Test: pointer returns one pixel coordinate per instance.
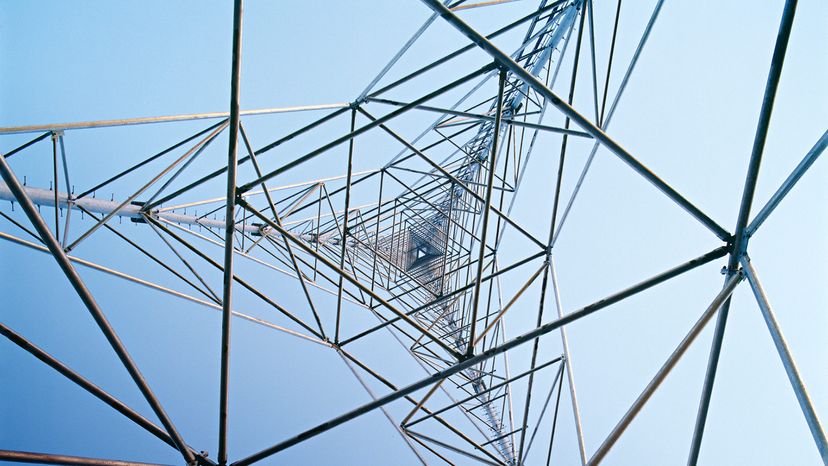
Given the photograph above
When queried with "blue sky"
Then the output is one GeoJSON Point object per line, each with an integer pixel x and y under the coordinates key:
{"type": "Point", "coordinates": [689, 114]}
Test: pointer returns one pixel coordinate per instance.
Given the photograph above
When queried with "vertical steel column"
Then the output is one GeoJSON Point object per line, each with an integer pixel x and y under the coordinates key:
{"type": "Point", "coordinates": [55, 137]}
{"type": "Point", "coordinates": [344, 235]}
{"type": "Point", "coordinates": [229, 231]}
{"type": "Point", "coordinates": [787, 361]}
{"type": "Point", "coordinates": [740, 239]}
{"type": "Point", "coordinates": [487, 206]}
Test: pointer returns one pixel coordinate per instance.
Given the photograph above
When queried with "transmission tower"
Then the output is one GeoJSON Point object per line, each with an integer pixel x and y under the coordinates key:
{"type": "Point", "coordinates": [409, 254]}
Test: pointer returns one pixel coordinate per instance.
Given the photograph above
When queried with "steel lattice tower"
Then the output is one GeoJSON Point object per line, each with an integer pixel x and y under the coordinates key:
{"type": "Point", "coordinates": [410, 254]}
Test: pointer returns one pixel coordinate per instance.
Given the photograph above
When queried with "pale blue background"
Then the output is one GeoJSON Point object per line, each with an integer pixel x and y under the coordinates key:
{"type": "Point", "coordinates": [689, 113]}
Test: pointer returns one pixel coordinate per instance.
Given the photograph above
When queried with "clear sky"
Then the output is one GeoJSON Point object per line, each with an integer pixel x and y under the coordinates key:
{"type": "Point", "coordinates": [689, 113]}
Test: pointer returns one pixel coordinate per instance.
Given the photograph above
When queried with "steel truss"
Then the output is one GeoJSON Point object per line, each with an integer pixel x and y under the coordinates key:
{"type": "Point", "coordinates": [421, 257]}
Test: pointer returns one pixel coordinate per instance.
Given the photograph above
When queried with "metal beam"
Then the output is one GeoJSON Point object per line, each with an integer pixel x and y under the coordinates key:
{"type": "Point", "coordinates": [310, 155]}
{"type": "Point", "coordinates": [164, 119]}
{"type": "Point", "coordinates": [665, 369]}
{"type": "Point", "coordinates": [229, 231]}
{"type": "Point", "coordinates": [789, 183]}
{"type": "Point", "coordinates": [570, 372]}
{"type": "Point", "coordinates": [484, 223]}
{"type": "Point", "coordinates": [48, 458]}
{"type": "Point", "coordinates": [504, 60]}
{"type": "Point", "coordinates": [85, 384]}
{"type": "Point", "coordinates": [814, 424]}
{"type": "Point", "coordinates": [485, 355]}
{"type": "Point", "coordinates": [480, 117]}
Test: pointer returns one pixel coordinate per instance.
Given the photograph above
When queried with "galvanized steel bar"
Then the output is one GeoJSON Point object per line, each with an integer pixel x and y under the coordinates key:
{"type": "Point", "coordinates": [48, 458]}
{"type": "Point", "coordinates": [229, 231]}
{"type": "Point", "coordinates": [164, 119]}
{"type": "Point", "coordinates": [570, 372]}
{"type": "Point", "coordinates": [805, 403]}
{"type": "Point", "coordinates": [85, 384]}
{"type": "Point", "coordinates": [484, 223]}
{"type": "Point", "coordinates": [665, 369]}
{"type": "Point", "coordinates": [789, 183]}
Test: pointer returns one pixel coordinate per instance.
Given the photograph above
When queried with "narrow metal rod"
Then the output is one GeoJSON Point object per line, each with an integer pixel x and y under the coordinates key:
{"type": "Point", "coordinates": [33, 141]}
{"type": "Point", "coordinates": [588, 126]}
{"type": "Point", "coordinates": [469, 6]}
{"type": "Point", "coordinates": [396, 57]}
{"type": "Point", "coordinates": [605, 123]}
{"type": "Point", "coordinates": [310, 155]}
{"type": "Point", "coordinates": [48, 458]}
{"type": "Point", "coordinates": [533, 361]}
{"type": "Point", "coordinates": [264, 149]}
{"type": "Point", "coordinates": [508, 305]}
{"type": "Point", "coordinates": [788, 361]}
{"type": "Point", "coordinates": [592, 54]}
{"type": "Point", "coordinates": [163, 289]}
{"type": "Point", "coordinates": [294, 262]}
{"type": "Point", "coordinates": [229, 231]}
{"type": "Point", "coordinates": [154, 223]}
{"type": "Point", "coordinates": [555, 381]}
{"type": "Point", "coordinates": [665, 369]}
{"type": "Point", "coordinates": [90, 303]}
{"type": "Point", "coordinates": [377, 234]}
{"type": "Point", "coordinates": [147, 161]}
{"type": "Point", "coordinates": [65, 164]}
{"type": "Point", "coordinates": [432, 450]}
{"type": "Point", "coordinates": [55, 175]}
{"type": "Point", "coordinates": [789, 183]}
{"type": "Point", "coordinates": [554, 420]}
{"type": "Point", "coordinates": [740, 239]}
{"type": "Point", "coordinates": [208, 291]}
{"type": "Point", "coordinates": [344, 234]}
{"type": "Point", "coordinates": [609, 64]}
{"type": "Point", "coordinates": [485, 355]}
{"type": "Point", "coordinates": [85, 384]}
{"type": "Point", "coordinates": [570, 372]}
{"type": "Point", "coordinates": [164, 119]}
{"type": "Point", "coordinates": [476, 116]}
{"type": "Point", "coordinates": [411, 400]}
{"type": "Point", "coordinates": [394, 424]}
{"type": "Point", "coordinates": [561, 160]}
{"type": "Point", "coordinates": [460, 51]}
{"type": "Point", "coordinates": [484, 223]}
{"type": "Point", "coordinates": [420, 403]}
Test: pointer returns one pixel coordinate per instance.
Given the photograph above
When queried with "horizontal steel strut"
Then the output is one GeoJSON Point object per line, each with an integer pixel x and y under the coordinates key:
{"type": "Point", "coordinates": [46, 197]}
